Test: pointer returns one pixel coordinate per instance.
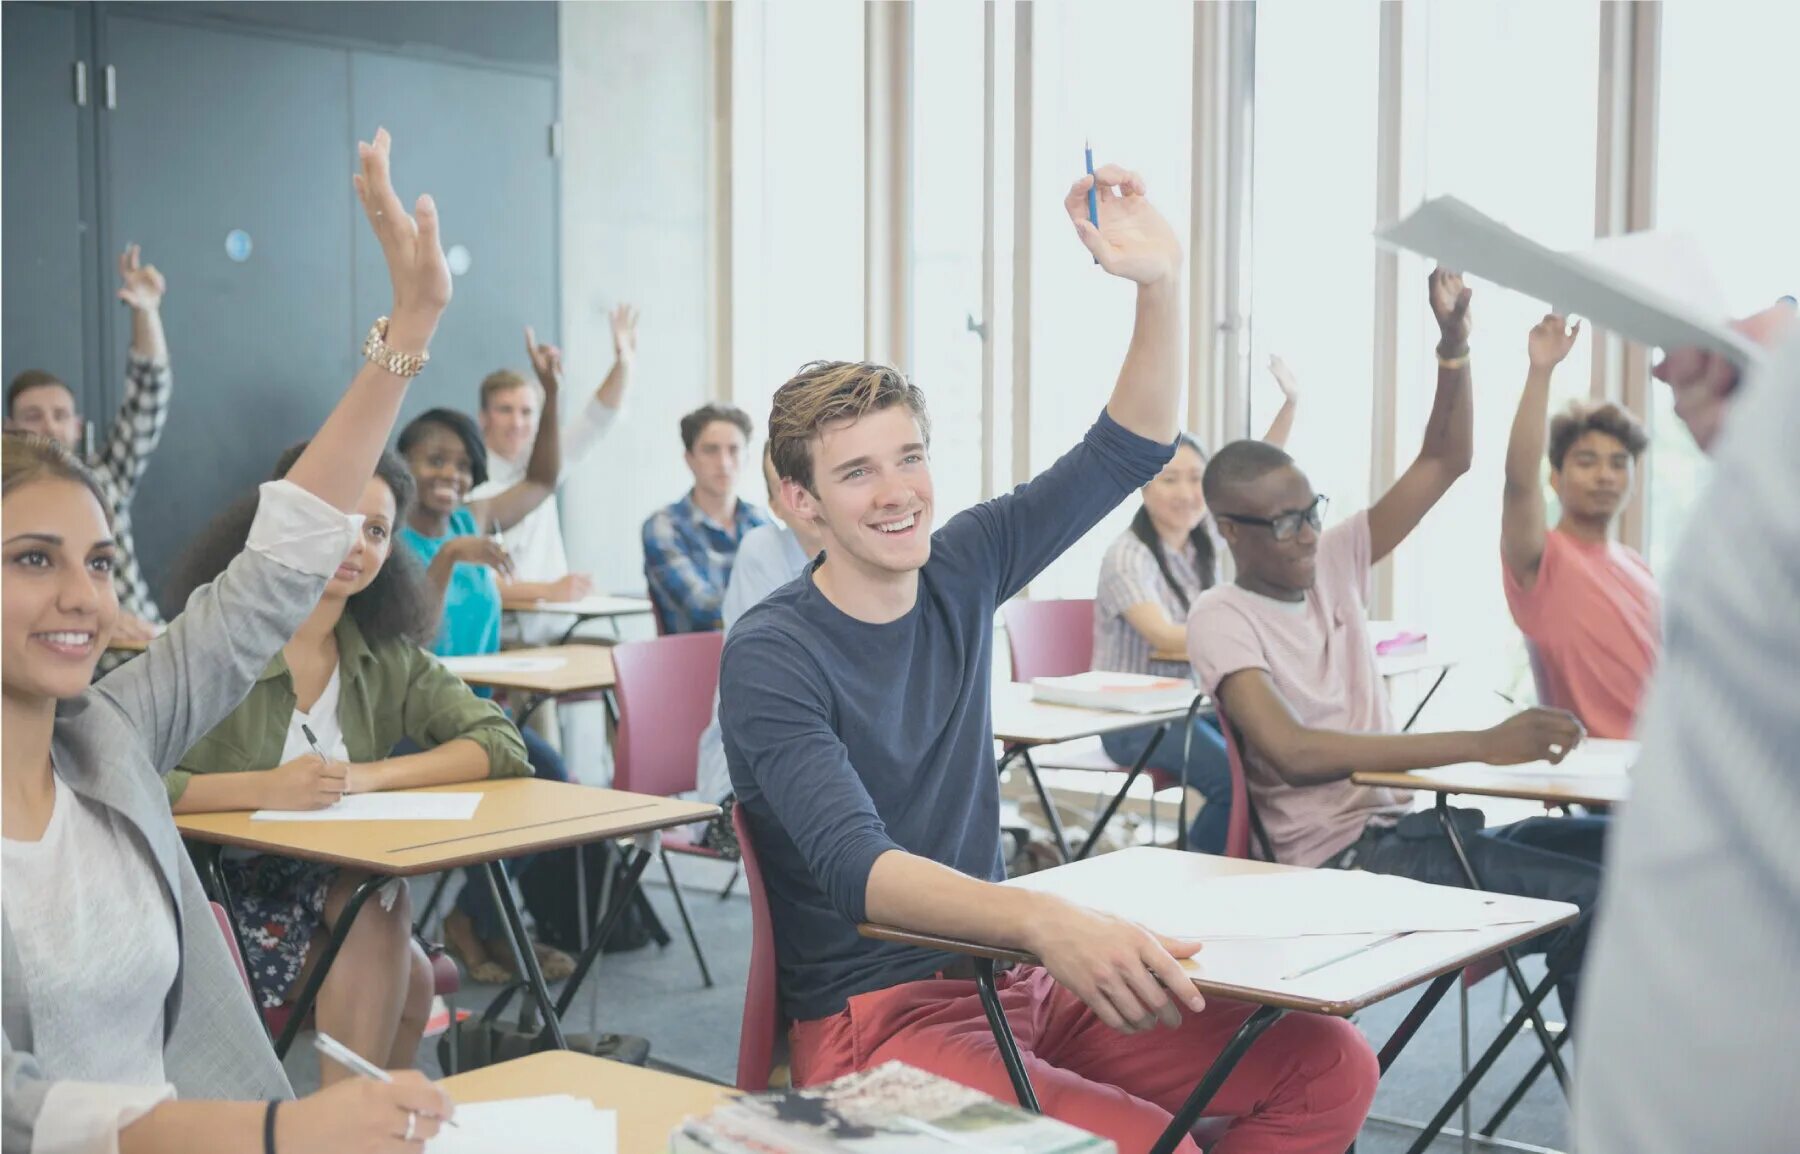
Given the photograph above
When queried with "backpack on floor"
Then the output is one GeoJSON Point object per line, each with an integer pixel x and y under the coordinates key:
{"type": "Point", "coordinates": [550, 895]}
{"type": "Point", "coordinates": [483, 1040]}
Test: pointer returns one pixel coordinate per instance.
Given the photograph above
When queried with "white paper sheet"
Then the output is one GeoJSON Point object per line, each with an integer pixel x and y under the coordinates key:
{"type": "Point", "coordinates": [500, 663]}
{"type": "Point", "coordinates": [404, 805]}
{"type": "Point", "coordinates": [1595, 757]}
{"type": "Point", "coordinates": [1640, 290]}
{"type": "Point", "coordinates": [553, 1124]}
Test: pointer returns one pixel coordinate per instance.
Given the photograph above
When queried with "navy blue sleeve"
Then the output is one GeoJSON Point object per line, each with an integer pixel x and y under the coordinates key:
{"type": "Point", "coordinates": [1017, 535]}
{"type": "Point", "coordinates": [775, 713]}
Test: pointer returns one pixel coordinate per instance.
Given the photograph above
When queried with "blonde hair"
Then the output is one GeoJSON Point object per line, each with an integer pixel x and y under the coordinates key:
{"type": "Point", "coordinates": [826, 392]}
{"type": "Point", "coordinates": [28, 458]}
{"type": "Point", "coordinates": [505, 381]}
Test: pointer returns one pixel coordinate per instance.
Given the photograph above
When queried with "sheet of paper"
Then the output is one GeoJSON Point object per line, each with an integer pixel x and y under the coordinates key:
{"type": "Point", "coordinates": [1595, 757]}
{"type": "Point", "coordinates": [404, 805]}
{"type": "Point", "coordinates": [1634, 290]}
{"type": "Point", "coordinates": [553, 1124]}
{"type": "Point", "coordinates": [1282, 905]}
{"type": "Point", "coordinates": [500, 663]}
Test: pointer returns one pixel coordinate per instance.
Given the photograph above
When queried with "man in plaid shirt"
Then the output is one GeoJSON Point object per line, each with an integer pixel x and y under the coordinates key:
{"type": "Point", "coordinates": [39, 402]}
{"type": "Point", "coordinates": [689, 546]}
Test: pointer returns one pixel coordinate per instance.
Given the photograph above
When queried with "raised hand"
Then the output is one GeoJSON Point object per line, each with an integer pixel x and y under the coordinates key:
{"type": "Point", "coordinates": [546, 360]}
{"type": "Point", "coordinates": [1550, 341]}
{"type": "Point", "coordinates": [409, 243]}
{"type": "Point", "coordinates": [1702, 380]}
{"type": "Point", "coordinates": [128, 627]}
{"type": "Point", "coordinates": [1450, 305]}
{"type": "Point", "coordinates": [140, 285]}
{"type": "Point", "coordinates": [1284, 378]}
{"type": "Point", "coordinates": [1534, 735]}
{"type": "Point", "coordinates": [1133, 240]}
{"type": "Point", "coordinates": [624, 320]}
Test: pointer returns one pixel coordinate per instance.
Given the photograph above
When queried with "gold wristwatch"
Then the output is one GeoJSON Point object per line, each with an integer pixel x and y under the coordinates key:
{"type": "Point", "coordinates": [376, 352]}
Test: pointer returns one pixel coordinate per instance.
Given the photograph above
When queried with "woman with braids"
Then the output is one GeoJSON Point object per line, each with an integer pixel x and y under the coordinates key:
{"type": "Point", "coordinates": [354, 674]}
{"type": "Point", "coordinates": [1148, 580]}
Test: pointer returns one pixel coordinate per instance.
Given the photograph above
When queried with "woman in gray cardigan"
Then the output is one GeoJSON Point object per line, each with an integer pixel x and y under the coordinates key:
{"type": "Point", "coordinates": [119, 993]}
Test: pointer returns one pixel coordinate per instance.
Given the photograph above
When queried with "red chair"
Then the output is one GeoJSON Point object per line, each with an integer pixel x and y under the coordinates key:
{"type": "Point", "coordinates": [665, 691]}
{"type": "Point", "coordinates": [1243, 814]}
{"type": "Point", "coordinates": [763, 1023]}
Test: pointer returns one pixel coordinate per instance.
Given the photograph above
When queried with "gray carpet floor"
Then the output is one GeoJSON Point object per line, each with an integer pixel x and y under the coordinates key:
{"type": "Point", "coordinates": [657, 993]}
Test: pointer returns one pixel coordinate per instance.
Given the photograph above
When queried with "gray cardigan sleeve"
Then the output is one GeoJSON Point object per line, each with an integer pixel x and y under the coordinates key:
{"type": "Point", "coordinates": [196, 673]}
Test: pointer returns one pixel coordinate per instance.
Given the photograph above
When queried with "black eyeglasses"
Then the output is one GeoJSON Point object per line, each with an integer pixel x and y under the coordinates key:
{"type": "Point", "coordinates": [1287, 525]}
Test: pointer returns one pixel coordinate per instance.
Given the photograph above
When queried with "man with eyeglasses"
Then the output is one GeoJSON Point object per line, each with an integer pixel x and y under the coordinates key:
{"type": "Point", "coordinates": [1287, 653]}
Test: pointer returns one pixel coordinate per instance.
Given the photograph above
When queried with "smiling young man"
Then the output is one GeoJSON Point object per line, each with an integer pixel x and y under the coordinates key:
{"type": "Point", "coordinates": [689, 546]}
{"type": "Point", "coordinates": [855, 706]}
{"type": "Point", "coordinates": [1588, 605]}
{"type": "Point", "coordinates": [1287, 652]}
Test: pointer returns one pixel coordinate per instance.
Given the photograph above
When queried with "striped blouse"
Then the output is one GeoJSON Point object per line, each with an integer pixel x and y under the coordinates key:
{"type": "Point", "coordinates": [1129, 576]}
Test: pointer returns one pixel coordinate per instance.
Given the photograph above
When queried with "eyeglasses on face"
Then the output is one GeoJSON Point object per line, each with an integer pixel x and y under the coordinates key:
{"type": "Point", "coordinates": [1285, 526]}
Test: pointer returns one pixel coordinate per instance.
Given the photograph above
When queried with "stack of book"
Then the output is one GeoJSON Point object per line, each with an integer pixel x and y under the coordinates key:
{"type": "Point", "coordinates": [1129, 692]}
{"type": "Point", "coordinates": [891, 1109]}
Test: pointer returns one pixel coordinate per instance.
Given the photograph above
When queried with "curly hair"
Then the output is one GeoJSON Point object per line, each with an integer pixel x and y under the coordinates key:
{"type": "Point", "coordinates": [824, 392]}
{"type": "Point", "coordinates": [1580, 418]}
{"type": "Point", "coordinates": [396, 604]}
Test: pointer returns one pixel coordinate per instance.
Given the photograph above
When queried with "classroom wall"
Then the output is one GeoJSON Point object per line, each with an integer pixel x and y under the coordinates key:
{"type": "Point", "coordinates": [634, 100]}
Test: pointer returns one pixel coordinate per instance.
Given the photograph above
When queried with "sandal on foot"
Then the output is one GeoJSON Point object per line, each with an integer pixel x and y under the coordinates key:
{"type": "Point", "coordinates": [556, 964]}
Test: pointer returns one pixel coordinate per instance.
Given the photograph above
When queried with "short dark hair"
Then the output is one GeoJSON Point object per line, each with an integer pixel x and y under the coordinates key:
{"type": "Point", "coordinates": [32, 379]}
{"type": "Point", "coordinates": [1238, 464]}
{"type": "Point", "coordinates": [1582, 418]}
{"type": "Point", "coordinates": [461, 425]}
{"type": "Point", "coordinates": [397, 603]}
{"type": "Point", "coordinates": [695, 422]}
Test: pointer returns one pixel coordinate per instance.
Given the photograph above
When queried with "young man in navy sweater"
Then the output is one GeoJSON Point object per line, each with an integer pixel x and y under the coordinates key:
{"type": "Point", "coordinates": [855, 708]}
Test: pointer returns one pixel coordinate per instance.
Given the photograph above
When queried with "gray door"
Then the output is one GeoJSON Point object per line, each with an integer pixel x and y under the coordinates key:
{"type": "Point", "coordinates": [478, 141]}
{"type": "Point", "coordinates": [44, 223]}
{"type": "Point", "coordinates": [215, 132]}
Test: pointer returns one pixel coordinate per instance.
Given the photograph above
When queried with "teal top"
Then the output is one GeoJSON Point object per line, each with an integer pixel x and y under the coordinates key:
{"type": "Point", "coordinates": [471, 623]}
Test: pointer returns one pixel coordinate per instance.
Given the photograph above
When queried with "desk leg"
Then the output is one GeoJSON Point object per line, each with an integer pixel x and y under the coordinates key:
{"type": "Point", "coordinates": [522, 951]}
{"type": "Point", "coordinates": [1519, 1091]}
{"type": "Point", "coordinates": [1184, 1119]}
{"type": "Point", "coordinates": [1003, 1036]}
{"type": "Point", "coordinates": [309, 993]}
{"type": "Point", "coordinates": [1506, 956]}
{"type": "Point", "coordinates": [1426, 700]}
{"type": "Point", "coordinates": [1022, 753]}
{"type": "Point", "coordinates": [1415, 1017]}
{"type": "Point", "coordinates": [622, 895]}
{"type": "Point", "coordinates": [1113, 805]}
{"type": "Point", "coordinates": [1528, 1009]}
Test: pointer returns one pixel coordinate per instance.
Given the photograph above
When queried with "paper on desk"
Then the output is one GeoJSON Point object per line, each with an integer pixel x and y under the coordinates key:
{"type": "Point", "coordinates": [1595, 757]}
{"type": "Point", "coordinates": [553, 1124]}
{"type": "Point", "coordinates": [404, 805]}
{"type": "Point", "coordinates": [501, 663]}
{"type": "Point", "coordinates": [1649, 287]}
{"type": "Point", "coordinates": [1284, 905]}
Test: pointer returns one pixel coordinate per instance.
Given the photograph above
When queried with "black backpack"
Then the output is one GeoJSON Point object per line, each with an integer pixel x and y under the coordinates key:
{"type": "Point", "coordinates": [551, 897]}
{"type": "Point", "coordinates": [483, 1040]}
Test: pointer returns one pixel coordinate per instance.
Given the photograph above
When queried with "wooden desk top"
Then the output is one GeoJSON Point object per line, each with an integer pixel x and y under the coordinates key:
{"type": "Point", "coordinates": [516, 816]}
{"type": "Point", "coordinates": [1547, 784]}
{"type": "Point", "coordinates": [1018, 720]}
{"type": "Point", "coordinates": [596, 605]}
{"type": "Point", "coordinates": [1267, 971]}
{"type": "Point", "coordinates": [650, 1104]}
{"type": "Point", "coordinates": [578, 669]}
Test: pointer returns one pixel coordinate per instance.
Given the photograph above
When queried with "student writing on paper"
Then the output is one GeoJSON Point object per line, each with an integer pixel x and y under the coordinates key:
{"type": "Point", "coordinates": [1286, 651]}
{"type": "Point", "coordinates": [1587, 604]}
{"type": "Point", "coordinates": [689, 546]}
{"type": "Point", "coordinates": [1148, 579]}
{"type": "Point", "coordinates": [855, 703]}
{"type": "Point", "coordinates": [119, 990]}
{"type": "Point", "coordinates": [355, 674]}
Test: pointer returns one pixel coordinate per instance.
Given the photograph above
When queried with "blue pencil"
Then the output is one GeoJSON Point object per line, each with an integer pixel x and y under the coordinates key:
{"type": "Point", "coordinates": [1093, 191]}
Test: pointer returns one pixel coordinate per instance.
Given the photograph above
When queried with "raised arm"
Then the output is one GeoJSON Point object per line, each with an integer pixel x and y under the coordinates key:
{"type": "Point", "coordinates": [1303, 756]}
{"type": "Point", "coordinates": [544, 470]}
{"type": "Point", "coordinates": [1283, 424]}
{"type": "Point", "coordinates": [1522, 500]}
{"type": "Point", "coordinates": [1702, 381]}
{"type": "Point", "coordinates": [137, 426]}
{"type": "Point", "coordinates": [1449, 445]}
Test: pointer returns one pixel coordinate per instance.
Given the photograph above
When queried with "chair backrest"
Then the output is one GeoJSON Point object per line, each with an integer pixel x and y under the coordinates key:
{"type": "Point", "coordinates": [762, 1002]}
{"type": "Point", "coordinates": [665, 691]}
{"type": "Point", "coordinates": [1244, 821]}
{"type": "Point", "coordinates": [237, 959]}
{"type": "Point", "coordinates": [1049, 638]}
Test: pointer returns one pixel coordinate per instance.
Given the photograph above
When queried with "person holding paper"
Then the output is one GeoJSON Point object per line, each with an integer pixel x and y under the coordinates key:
{"type": "Point", "coordinates": [1287, 653]}
{"type": "Point", "coordinates": [322, 721]}
{"type": "Point", "coordinates": [126, 1023]}
{"type": "Point", "coordinates": [855, 704]}
{"type": "Point", "coordinates": [1687, 1036]}
{"type": "Point", "coordinates": [1587, 604]}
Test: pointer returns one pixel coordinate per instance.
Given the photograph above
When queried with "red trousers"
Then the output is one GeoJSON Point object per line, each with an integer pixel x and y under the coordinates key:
{"type": "Point", "coordinates": [1304, 1087]}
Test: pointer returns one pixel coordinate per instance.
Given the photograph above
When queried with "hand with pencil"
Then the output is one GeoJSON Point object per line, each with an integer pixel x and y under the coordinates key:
{"type": "Point", "coordinates": [1116, 221]}
{"type": "Point", "coordinates": [310, 781]}
{"type": "Point", "coordinates": [393, 1114]}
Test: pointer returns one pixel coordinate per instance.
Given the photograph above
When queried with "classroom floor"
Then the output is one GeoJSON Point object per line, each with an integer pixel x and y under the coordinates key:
{"type": "Point", "coordinates": [656, 993]}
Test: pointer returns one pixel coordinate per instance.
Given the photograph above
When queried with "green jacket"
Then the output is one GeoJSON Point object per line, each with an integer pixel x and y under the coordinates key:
{"type": "Point", "coordinates": [386, 691]}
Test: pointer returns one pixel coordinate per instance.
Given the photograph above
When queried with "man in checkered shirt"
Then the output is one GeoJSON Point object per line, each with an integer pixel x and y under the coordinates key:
{"type": "Point", "coordinates": [39, 402]}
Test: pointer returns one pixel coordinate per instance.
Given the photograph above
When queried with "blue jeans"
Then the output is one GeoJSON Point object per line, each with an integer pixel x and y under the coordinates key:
{"type": "Point", "coordinates": [476, 900]}
{"type": "Point", "coordinates": [1208, 771]}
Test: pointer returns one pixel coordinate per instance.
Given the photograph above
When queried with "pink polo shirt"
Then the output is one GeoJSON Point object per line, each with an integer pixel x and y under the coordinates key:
{"type": "Point", "coordinates": [1594, 619]}
{"type": "Point", "coordinates": [1321, 658]}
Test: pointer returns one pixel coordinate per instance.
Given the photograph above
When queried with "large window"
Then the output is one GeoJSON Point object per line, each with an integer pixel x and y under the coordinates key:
{"type": "Point", "coordinates": [1727, 169]}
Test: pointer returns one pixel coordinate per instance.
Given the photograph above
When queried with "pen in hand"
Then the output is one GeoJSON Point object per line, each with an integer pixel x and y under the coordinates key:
{"type": "Point", "coordinates": [350, 1060]}
{"type": "Point", "coordinates": [306, 731]}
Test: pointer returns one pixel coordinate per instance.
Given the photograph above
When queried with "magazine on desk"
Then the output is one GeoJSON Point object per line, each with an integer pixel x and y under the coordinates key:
{"type": "Point", "coordinates": [891, 1109]}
